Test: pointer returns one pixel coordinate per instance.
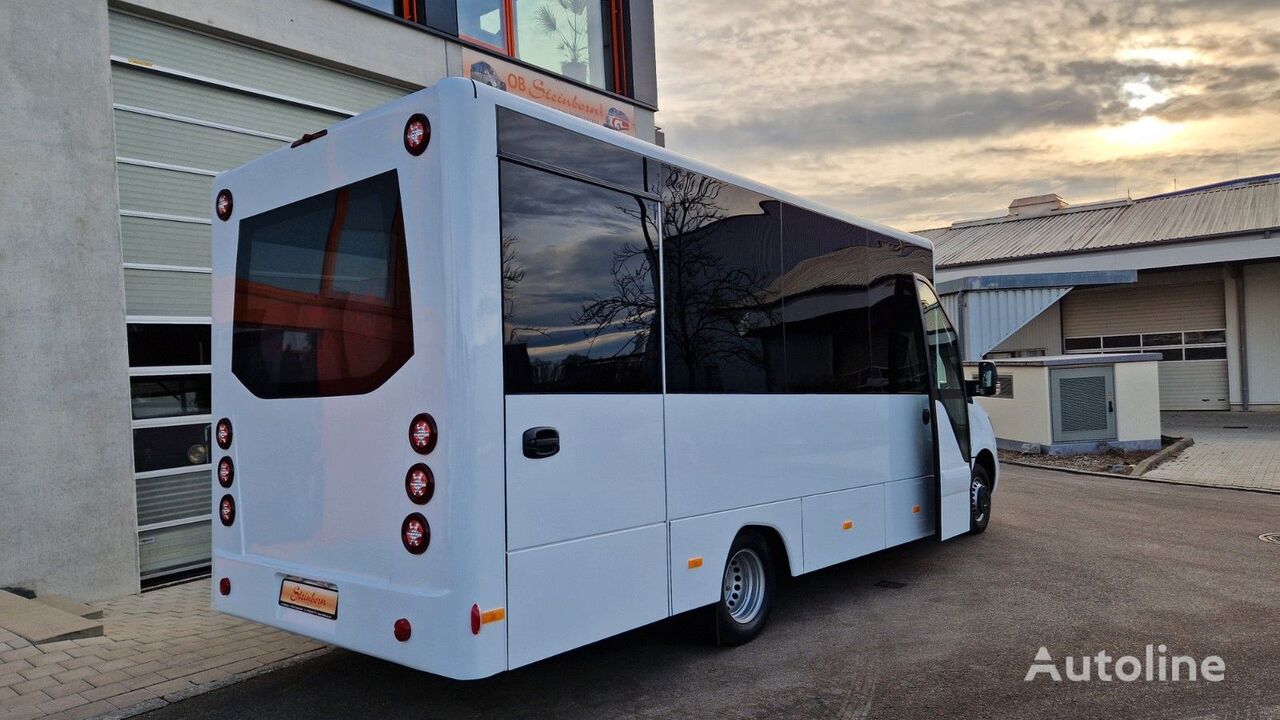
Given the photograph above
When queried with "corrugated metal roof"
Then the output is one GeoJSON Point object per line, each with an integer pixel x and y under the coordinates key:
{"type": "Point", "coordinates": [1162, 218]}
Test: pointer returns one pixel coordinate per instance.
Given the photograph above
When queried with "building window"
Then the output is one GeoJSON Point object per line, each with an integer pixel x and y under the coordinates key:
{"type": "Point", "coordinates": [1171, 346]}
{"type": "Point", "coordinates": [1004, 387]}
{"type": "Point", "coordinates": [571, 38]}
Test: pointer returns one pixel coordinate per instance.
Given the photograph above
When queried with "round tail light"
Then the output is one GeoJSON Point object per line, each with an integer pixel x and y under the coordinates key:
{"type": "Point", "coordinates": [417, 133]}
{"type": "Point", "coordinates": [415, 533]}
{"type": "Point", "coordinates": [223, 434]}
{"type": "Point", "coordinates": [223, 205]}
{"type": "Point", "coordinates": [422, 433]}
{"type": "Point", "coordinates": [227, 510]}
{"type": "Point", "coordinates": [402, 629]}
{"type": "Point", "coordinates": [226, 472]}
{"type": "Point", "coordinates": [224, 586]}
{"type": "Point", "coordinates": [420, 484]}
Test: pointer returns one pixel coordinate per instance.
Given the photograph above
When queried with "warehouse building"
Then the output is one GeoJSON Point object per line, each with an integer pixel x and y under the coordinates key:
{"type": "Point", "coordinates": [117, 116]}
{"type": "Point", "coordinates": [1193, 276]}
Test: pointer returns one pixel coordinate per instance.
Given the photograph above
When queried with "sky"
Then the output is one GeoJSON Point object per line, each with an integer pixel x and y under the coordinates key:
{"type": "Point", "coordinates": [917, 114]}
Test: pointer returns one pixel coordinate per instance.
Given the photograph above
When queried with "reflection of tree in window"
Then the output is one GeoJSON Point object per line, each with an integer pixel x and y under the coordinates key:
{"type": "Point", "coordinates": [721, 251]}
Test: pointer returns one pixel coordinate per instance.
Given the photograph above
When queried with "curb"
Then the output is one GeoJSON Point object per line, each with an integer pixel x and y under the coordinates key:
{"type": "Point", "coordinates": [1146, 466]}
{"type": "Point", "coordinates": [1140, 478]}
{"type": "Point", "coordinates": [160, 702]}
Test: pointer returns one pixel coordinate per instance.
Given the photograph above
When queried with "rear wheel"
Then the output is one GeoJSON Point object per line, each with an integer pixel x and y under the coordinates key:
{"type": "Point", "coordinates": [979, 500]}
{"type": "Point", "coordinates": [746, 592]}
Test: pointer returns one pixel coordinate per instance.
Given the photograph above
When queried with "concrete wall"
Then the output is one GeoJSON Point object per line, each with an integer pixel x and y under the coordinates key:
{"type": "Point", "coordinates": [1137, 387]}
{"type": "Point", "coordinates": [1025, 417]}
{"type": "Point", "coordinates": [67, 519]}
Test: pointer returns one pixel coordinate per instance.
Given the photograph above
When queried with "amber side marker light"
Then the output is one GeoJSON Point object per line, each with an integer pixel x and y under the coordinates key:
{"type": "Point", "coordinates": [417, 134]}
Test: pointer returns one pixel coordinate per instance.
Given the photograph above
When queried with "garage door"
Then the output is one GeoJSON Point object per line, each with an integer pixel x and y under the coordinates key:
{"type": "Point", "coordinates": [186, 107]}
{"type": "Point", "coordinates": [1180, 315]}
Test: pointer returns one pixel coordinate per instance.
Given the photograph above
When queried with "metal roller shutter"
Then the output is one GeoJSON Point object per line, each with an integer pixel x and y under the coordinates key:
{"type": "Point", "coordinates": [1160, 303]}
{"type": "Point", "coordinates": [188, 106]}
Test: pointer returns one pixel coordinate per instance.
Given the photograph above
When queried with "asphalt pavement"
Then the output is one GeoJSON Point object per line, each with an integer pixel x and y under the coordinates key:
{"type": "Point", "coordinates": [1075, 564]}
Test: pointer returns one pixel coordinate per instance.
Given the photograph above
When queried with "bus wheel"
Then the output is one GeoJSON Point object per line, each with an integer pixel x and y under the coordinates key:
{"type": "Point", "coordinates": [979, 500]}
{"type": "Point", "coordinates": [746, 591]}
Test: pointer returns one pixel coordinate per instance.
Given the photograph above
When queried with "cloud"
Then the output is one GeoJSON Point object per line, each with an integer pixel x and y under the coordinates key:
{"type": "Point", "coordinates": [931, 110]}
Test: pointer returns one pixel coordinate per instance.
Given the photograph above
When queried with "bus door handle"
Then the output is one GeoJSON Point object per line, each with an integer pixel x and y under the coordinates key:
{"type": "Point", "coordinates": [541, 442]}
{"type": "Point", "coordinates": [927, 416]}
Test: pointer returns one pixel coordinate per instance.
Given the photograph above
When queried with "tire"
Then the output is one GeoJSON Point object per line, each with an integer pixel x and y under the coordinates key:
{"type": "Point", "coordinates": [746, 590]}
{"type": "Point", "coordinates": [979, 500]}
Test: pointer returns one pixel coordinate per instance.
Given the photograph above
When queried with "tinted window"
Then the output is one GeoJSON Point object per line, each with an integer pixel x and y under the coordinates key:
{"type": "Point", "coordinates": [525, 137]}
{"type": "Point", "coordinates": [898, 355]}
{"type": "Point", "coordinates": [322, 294]}
{"type": "Point", "coordinates": [161, 448]}
{"type": "Point", "coordinates": [169, 395]}
{"type": "Point", "coordinates": [721, 269]}
{"type": "Point", "coordinates": [944, 348]}
{"type": "Point", "coordinates": [1076, 344]}
{"type": "Point", "coordinates": [889, 257]}
{"type": "Point", "coordinates": [1206, 336]}
{"type": "Point", "coordinates": [157, 345]}
{"type": "Point", "coordinates": [1156, 339]}
{"type": "Point", "coordinates": [579, 286]}
{"type": "Point", "coordinates": [824, 305]}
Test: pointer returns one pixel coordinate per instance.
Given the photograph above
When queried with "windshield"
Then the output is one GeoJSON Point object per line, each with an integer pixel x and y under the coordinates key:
{"type": "Point", "coordinates": [322, 294]}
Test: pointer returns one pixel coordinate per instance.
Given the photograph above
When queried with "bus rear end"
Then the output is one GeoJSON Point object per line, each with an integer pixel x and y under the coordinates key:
{"type": "Point", "coordinates": [358, 465]}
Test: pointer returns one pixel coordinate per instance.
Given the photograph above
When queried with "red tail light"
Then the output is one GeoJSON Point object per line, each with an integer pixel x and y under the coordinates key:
{"type": "Point", "coordinates": [475, 619]}
{"type": "Point", "coordinates": [224, 586]}
{"type": "Point", "coordinates": [417, 133]}
{"type": "Point", "coordinates": [422, 433]}
{"type": "Point", "coordinates": [402, 629]}
{"type": "Point", "coordinates": [227, 510]}
{"type": "Point", "coordinates": [415, 533]}
{"type": "Point", "coordinates": [223, 205]}
{"type": "Point", "coordinates": [226, 472]}
{"type": "Point", "coordinates": [420, 484]}
{"type": "Point", "coordinates": [223, 434]}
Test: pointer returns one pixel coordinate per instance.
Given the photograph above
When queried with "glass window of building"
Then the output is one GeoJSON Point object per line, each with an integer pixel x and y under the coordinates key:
{"type": "Point", "coordinates": [570, 38]}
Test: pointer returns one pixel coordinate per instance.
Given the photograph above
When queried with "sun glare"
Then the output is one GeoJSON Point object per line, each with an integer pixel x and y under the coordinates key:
{"type": "Point", "coordinates": [1141, 134]}
{"type": "Point", "coordinates": [1142, 96]}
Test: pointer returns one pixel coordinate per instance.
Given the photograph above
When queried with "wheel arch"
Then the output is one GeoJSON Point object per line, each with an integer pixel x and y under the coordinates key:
{"type": "Point", "coordinates": [987, 461]}
{"type": "Point", "coordinates": [777, 546]}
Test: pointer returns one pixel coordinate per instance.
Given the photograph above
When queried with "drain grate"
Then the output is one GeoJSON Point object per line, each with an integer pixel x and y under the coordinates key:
{"type": "Point", "coordinates": [1273, 538]}
{"type": "Point", "coordinates": [891, 585]}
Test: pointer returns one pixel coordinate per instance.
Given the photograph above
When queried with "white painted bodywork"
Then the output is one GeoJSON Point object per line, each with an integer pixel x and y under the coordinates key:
{"type": "Point", "coordinates": [577, 547]}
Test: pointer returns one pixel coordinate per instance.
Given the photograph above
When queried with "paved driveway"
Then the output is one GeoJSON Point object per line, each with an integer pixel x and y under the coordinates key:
{"type": "Point", "coordinates": [1074, 563]}
{"type": "Point", "coordinates": [1231, 449]}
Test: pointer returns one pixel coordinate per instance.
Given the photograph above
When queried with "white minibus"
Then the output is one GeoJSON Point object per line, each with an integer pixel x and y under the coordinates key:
{"type": "Point", "coordinates": [494, 382]}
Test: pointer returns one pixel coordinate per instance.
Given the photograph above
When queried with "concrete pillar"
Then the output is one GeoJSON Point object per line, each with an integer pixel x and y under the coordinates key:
{"type": "Point", "coordinates": [67, 517]}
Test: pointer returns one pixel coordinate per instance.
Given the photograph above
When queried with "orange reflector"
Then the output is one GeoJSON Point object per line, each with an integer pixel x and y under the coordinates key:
{"type": "Point", "coordinates": [915, 509]}
{"type": "Point", "coordinates": [847, 525]}
{"type": "Point", "coordinates": [493, 615]}
{"type": "Point", "coordinates": [695, 562]}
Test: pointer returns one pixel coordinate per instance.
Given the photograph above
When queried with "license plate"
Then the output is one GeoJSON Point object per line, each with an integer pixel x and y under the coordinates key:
{"type": "Point", "coordinates": [310, 597]}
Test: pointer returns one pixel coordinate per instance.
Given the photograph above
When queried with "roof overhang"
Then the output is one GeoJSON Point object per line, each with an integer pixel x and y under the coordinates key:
{"type": "Point", "coordinates": [1037, 280]}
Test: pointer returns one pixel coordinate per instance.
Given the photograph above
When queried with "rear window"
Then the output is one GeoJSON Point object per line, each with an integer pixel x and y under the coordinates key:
{"type": "Point", "coordinates": [322, 294]}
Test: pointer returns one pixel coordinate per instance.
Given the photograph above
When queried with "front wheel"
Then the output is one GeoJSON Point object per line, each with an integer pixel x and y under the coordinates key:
{"type": "Point", "coordinates": [746, 590]}
{"type": "Point", "coordinates": [979, 500]}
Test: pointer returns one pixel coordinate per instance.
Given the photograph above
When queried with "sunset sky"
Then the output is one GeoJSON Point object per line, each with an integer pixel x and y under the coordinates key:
{"type": "Point", "coordinates": [920, 113]}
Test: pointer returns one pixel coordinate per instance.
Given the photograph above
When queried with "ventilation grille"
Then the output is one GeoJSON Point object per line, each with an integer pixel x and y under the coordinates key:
{"type": "Point", "coordinates": [1083, 403]}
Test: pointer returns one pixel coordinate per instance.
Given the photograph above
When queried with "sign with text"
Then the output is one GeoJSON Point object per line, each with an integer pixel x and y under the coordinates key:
{"type": "Point", "coordinates": [549, 91]}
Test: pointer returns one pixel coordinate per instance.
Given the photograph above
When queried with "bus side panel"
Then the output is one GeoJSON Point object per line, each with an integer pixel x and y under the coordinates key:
{"type": "Point", "coordinates": [909, 508]}
{"type": "Point", "coordinates": [569, 594]}
{"type": "Point", "coordinates": [731, 451]}
{"type": "Point", "coordinates": [700, 548]}
{"type": "Point", "coordinates": [843, 525]}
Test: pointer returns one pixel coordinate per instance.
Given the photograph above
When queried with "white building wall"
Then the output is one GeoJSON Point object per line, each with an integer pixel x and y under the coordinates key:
{"type": "Point", "coordinates": [1262, 317]}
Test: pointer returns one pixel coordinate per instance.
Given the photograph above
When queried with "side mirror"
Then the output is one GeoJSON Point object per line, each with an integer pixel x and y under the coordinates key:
{"type": "Point", "coordinates": [986, 379]}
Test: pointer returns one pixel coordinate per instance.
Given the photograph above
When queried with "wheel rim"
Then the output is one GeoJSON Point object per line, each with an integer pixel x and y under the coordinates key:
{"type": "Point", "coordinates": [979, 501]}
{"type": "Point", "coordinates": [743, 593]}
